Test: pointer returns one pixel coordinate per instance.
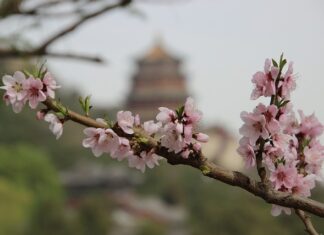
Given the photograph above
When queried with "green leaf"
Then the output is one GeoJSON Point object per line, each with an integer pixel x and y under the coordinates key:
{"type": "Point", "coordinates": [283, 103]}
{"type": "Point", "coordinates": [282, 64]}
{"type": "Point", "coordinates": [274, 63]}
{"type": "Point", "coordinates": [28, 74]}
{"type": "Point", "coordinates": [180, 111]}
{"type": "Point", "coordinates": [85, 104]}
{"type": "Point", "coordinates": [81, 102]}
{"type": "Point", "coordinates": [42, 73]}
{"type": "Point", "coordinates": [281, 57]}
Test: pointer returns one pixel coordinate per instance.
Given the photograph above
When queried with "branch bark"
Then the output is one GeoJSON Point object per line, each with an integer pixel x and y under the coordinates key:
{"type": "Point", "coordinates": [211, 170]}
{"type": "Point", "coordinates": [309, 228]}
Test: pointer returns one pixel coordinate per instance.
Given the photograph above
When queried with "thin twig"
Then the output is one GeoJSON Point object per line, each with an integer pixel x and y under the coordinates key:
{"type": "Point", "coordinates": [81, 21]}
{"type": "Point", "coordinates": [309, 228]}
{"type": "Point", "coordinates": [34, 53]}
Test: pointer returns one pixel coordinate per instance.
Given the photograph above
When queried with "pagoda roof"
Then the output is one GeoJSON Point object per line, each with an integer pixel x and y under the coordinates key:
{"type": "Point", "coordinates": [158, 53]}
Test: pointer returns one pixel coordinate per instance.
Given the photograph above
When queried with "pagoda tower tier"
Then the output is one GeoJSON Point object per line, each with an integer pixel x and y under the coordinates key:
{"type": "Point", "coordinates": [158, 82]}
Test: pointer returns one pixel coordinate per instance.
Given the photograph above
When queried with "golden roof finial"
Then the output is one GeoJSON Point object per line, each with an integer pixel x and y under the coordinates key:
{"type": "Point", "coordinates": [157, 51]}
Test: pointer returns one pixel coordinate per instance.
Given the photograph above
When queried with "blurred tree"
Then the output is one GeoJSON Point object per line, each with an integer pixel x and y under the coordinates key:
{"type": "Point", "coordinates": [15, 205]}
{"type": "Point", "coordinates": [94, 216]}
{"type": "Point", "coordinates": [31, 196]}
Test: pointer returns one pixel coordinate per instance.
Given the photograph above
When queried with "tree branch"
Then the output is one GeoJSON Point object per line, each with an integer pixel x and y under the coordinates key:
{"type": "Point", "coordinates": [309, 228]}
{"type": "Point", "coordinates": [82, 20]}
{"type": "Point", "coordinates": [34, 53]}
{"type": "Point", "coordinates": [42, 50]}
{"type": "Point", "coordinates": [210, 169]}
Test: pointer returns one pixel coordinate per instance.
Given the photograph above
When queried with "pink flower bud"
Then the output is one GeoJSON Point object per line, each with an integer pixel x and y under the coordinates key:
{"type": "Point", "coordinates": [197, 147]}
{"type": "Point", "coordinates": [137, 120]}
{"type": "Point", "coordinates": [201, 137]}
{"type": "Point", "coordinates": [185, 154]}
{"type": "Point", "coordinates": [40, 115]}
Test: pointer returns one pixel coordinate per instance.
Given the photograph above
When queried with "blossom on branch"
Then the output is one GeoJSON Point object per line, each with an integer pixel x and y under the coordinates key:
{"type": "Point", "coordinates": [287, 147]}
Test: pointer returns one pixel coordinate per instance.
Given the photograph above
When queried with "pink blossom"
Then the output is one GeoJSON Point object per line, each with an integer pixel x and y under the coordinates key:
{"type": "Point", "coordinates": [185, 153]}
{"type": "Point", "coordinates": [17, 106]}
{"type": "Point", "coordinates": [274, 72]}
{"type": "Point", "coordinates": [304, 185]}
{"type": "Point", "coordinates": [40, 115]}
{"type": "Point", "coordinates": [289, 123]}
{"type": "Point", "coordinates": [151, 128]}
{"type": "Point", "coordinates": [172, 137]}
{"type": "Point", "coordinates": [123, 151]}
{"type": "Point", "coordinates": [15, 93]}
{"type": "Point", "coordinates": [289, 84]}
{"type": "Point", "coordinates": [264, 81]}
{"type": "Point", "coordinates": [165, 115]}
{"type": "Point", "coordinates": [197, 147]}
{"type": "Point", "coordinates": [314, 157]}
{"type": "Point", "coordinates": [149, 159]}
{"type": "Point", "coordinates": [137, 162]}
{"type": "Point", "coordinates": [192, 114]}
{"type": "Point", "coordinates": [247, 152]}
{"type": "Point", "coordinates": [49, 85]}
{"type": "Point", "coordinates": [271, 154]}
{"type": "Point", "coordinates": [187, 131]}
{"type": "Point", "coordinates": [267, 66]}
{"type": "Point", "coordinates": [201, 137]}
{"type": "Point", "coordinates": [270, 113]}
{"type": "Point", "coordinates": [14, 86]}
{"type": "Point", "coordinates": [34, 89]}
{"type": "Point", "coordinates": [253, 127]}
{"type": "Point", "coordinates": [137, 120]}
{"type": "Point", "coordinates": [276, 210]}
{"type": "Point", "coordinates": [101, 140]}
{"type": "Point", "coordinates": [56, 126]}
{"type": "Point", "coordinates": [310, 126]}
{"type": "Point", "coordinates": [283, 176]}
{"type": "Point", "coordinates": [280, 140]}
{"type": "Point", "coordinates": [126, 121]}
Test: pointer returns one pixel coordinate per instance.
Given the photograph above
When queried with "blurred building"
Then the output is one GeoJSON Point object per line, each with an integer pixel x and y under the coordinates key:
{"type": "Point", "coordinates": [158, 82]}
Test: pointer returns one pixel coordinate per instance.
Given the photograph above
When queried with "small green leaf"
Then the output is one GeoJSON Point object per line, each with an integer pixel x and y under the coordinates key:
{"type": "Point", "coordinates": [81, 102]}
{"type": "Point", "coordinates": [62, 109]}
{"type": "Point", "coordinates": [87, 105]}
{"type": "Point", "coordinates": [282, 64]}
{"type": "Point", "coordinates": [281, 57]}
{"type": "Point", "coordinates": [28, 74]}
{"type": "Point", "coordinates": [180, 111]}
{"type": "Point", "coordinates": [42, 73]}
{"type": "Point", "coordinates": [283, 103]}
{"type": "Point", "coordinates": [274, 63]}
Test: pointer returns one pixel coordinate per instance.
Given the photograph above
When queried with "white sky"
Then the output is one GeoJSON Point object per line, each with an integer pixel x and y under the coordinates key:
{"type": "Point", "coordinates": [223, 42]}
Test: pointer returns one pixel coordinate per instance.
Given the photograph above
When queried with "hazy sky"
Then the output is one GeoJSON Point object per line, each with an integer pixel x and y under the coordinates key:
{"type": "Point", "coordinates": [223, 43]}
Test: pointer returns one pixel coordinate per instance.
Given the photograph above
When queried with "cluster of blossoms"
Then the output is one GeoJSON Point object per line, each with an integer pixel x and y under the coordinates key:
{"type": "Point", "coordinates": [174, 129]}
{"type": "Point", "coordinates": [34, 89]}
{"type": "Point", "coordinates": [273, 136]}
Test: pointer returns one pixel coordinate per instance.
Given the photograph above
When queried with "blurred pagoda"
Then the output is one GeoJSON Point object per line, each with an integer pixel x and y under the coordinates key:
{"type": "Point", "coordinates": [158, 82]}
